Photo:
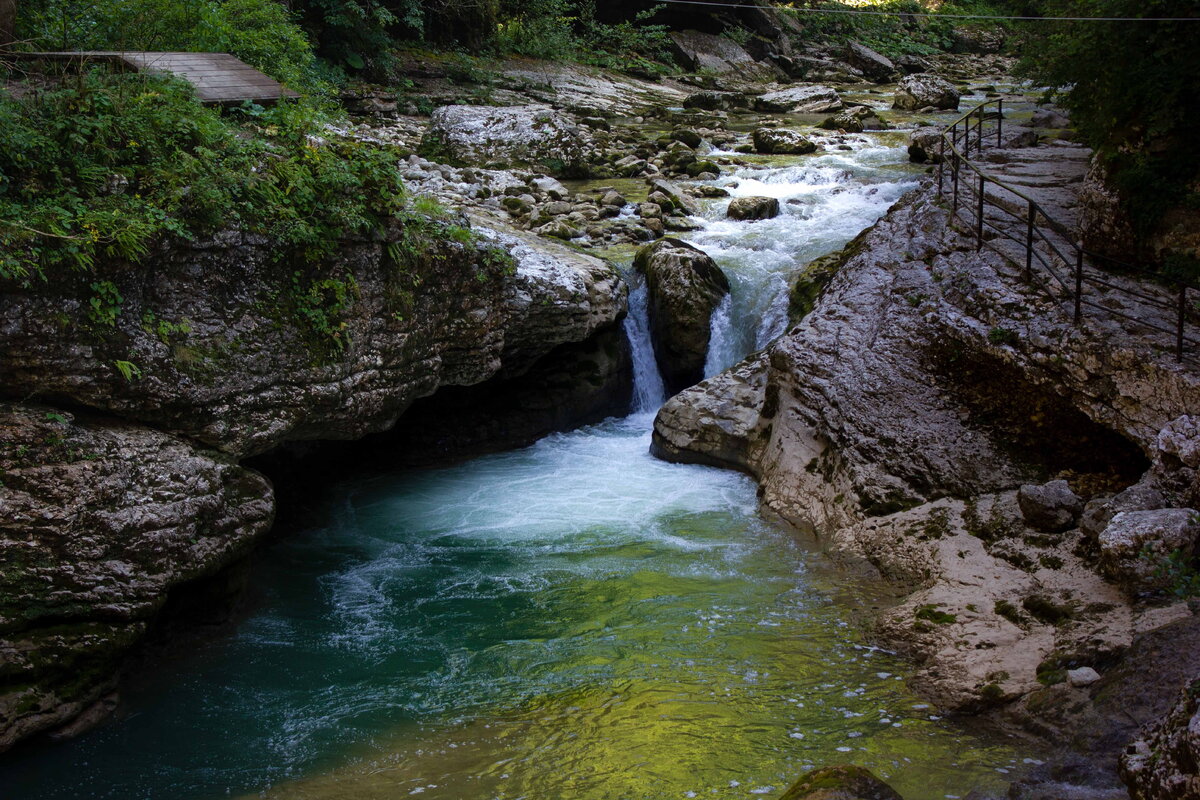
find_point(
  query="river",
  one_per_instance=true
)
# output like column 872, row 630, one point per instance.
column 573, row 619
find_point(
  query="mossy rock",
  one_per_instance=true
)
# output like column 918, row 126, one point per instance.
column 842, row 782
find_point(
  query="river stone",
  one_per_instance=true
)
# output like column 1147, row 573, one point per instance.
column 717, row 101
column 753, row 208
column 685, row 287
column 799, row 100
column 1142, row 496
column 781, row 141
column 696, row 52
column 516, row 136
column 925, row 146
column 1047, row 118
column 855, row 120
column 1052, row 507
column 1136, row 543
column 99, row 520
column 924, row 91
column 875, row 67
column 842, row 782
column 1083, row 676
column 687, row 136
column 559, row 229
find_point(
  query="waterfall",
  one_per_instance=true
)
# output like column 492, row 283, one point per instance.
column 722, row 339
column 648, row 390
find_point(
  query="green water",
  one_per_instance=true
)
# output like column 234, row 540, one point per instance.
column 576, row 619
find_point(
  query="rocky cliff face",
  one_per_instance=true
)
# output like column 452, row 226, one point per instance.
column 218, row 350
column 902, row 414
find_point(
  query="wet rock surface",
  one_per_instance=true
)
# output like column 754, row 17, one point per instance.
column 919, row 91
column 484, row 136
column 840, row 783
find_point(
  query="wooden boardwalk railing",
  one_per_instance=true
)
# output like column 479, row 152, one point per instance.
column 996, row 210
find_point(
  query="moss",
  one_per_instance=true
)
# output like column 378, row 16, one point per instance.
column 1009, row 612
column 991, row 694
column 1045, row 610
column 1050, row 562
column 931, row 613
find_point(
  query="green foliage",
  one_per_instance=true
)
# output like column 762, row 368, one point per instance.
column 1131, row 90
column 899, row 35
column 260, row 32
column 102, row 165
column 1176, row 571
column 568, row 29
column 931, row 613
column 105, row 305
column 129, row 371
column 321, row 303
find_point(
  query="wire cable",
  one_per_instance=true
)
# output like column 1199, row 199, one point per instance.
column 864, row 12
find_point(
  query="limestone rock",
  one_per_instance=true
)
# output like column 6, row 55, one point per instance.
column 516, row 136
column 1162, row 763
column 799, row 100
column 1142, row 496
column 855, row 120
column 698, row 51
column 977, row 40
column 717, row 101
column 843, row 782
column 877, row 68
column 1136, row 543
column 1052, row 507
column 1048, row 118
column 685, row 287
column 781, row 141
column 753, row 208
column 925, row 146
column 676, row 194
column 99, row 520
column 1104, row 224
column 1178, row 443
column 924, row 90
column 1083, row 676
column 246, row 370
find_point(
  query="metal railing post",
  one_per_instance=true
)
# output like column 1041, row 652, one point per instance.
column 1182, row 318
column 979, row 220
column 1029, row 241
column 954, row 179
column 941, row 164
column 979, row 131
column 999, row 121
column 1078, row 284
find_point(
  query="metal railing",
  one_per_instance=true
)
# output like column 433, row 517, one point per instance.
column 1048, row 243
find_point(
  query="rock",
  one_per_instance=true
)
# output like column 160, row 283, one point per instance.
column 99, row 521
column 911, row 64
column 1021, row 139
column 1083, row 676
column 1136, row 544
column 559, row 229
column 685, row 287
column 855, row 120
column 613, row 198
column 843, row 782
column 982, row 41
column 629, row 166
column 1161, row 763
column 1142, row 496
column 676, row 194
column 649, row 210
column 925, row 146
column 781, row 141
column 877, row 68
column 799, row 100
column 753, row 208
column 688, row 136
column 696, row 52
column 1048, row 118
column 1104, row 223
column 698, row 168
column 1178, row 443
column 1052, row 507
column 916, row 92
column 516, row 136
column 717, row 101
column 550, row 187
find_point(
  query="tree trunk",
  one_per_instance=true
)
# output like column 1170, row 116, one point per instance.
column 8, row 21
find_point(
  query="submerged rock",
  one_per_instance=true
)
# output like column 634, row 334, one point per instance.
column 517, row 136
column 753, row 208
column 925, row 91
column 781, row 141
column 685, row 287
column 843, row 782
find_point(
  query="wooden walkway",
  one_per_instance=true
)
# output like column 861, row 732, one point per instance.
column 219, row 78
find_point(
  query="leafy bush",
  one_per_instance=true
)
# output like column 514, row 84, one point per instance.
column 102, row 165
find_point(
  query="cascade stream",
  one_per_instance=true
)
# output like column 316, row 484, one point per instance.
column 573, row 619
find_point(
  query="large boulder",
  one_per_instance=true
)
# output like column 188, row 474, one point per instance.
column 781, row 141
column 925, row 146
column 516, row 136
column 1137, row 547
column 1051, row 507
column 1162, row 764
column 753, row 208
column 925, row 91
column 674, row 194
column 696, row 51
column 717, row 101
column 978, row 40
column 877, row 68
column 855, row 120
column 99, row 520
column 799, row 100
column 842, row 782
column 685, row 286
